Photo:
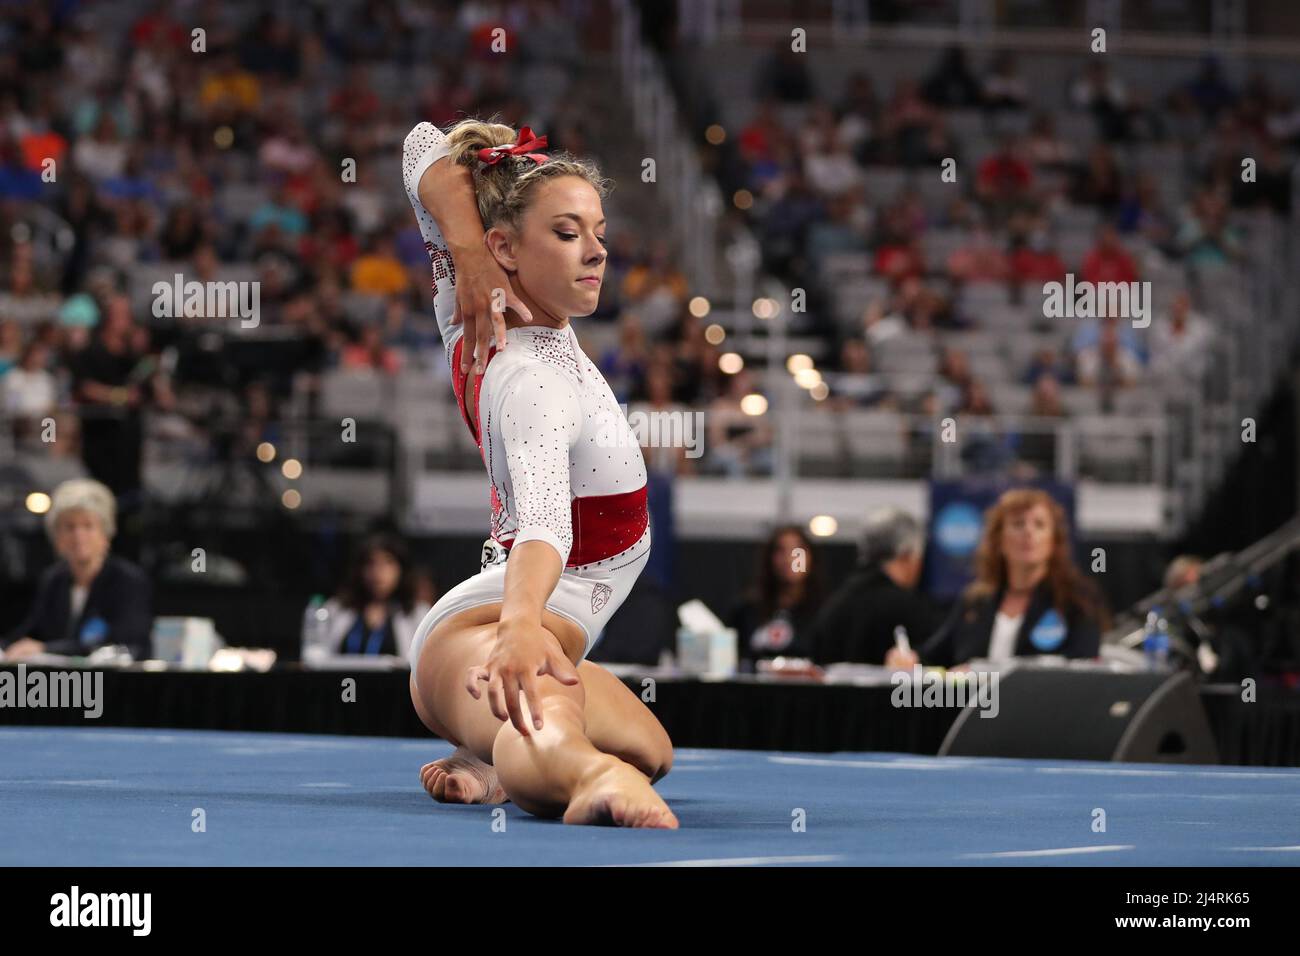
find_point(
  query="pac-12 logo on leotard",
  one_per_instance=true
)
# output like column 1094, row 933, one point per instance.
column 493, row 553
column 599, row 597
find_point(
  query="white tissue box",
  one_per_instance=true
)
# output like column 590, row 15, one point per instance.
column 711, row 652
column 188, row 641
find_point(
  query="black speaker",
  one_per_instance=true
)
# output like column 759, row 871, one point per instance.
column 1071, row 714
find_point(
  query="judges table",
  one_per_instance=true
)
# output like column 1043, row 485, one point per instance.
column 742, row 712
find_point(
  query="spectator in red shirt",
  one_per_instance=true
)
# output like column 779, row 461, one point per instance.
column 370, row 352
column 1109, row 261
column 331, row 241
column 900, row 259
column 1004, row 176
column 980, row 260
column 354, row 101
column 157, row 26
column 1034, row 259
column 759, row 135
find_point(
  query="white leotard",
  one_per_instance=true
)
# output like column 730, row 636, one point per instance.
column 563, row 463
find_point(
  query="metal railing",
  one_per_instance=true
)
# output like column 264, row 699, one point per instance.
column 694, row 206
column 220, row 463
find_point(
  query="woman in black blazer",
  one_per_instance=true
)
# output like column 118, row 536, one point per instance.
column 775, row 617
column 90, row 598
column 1028, row 598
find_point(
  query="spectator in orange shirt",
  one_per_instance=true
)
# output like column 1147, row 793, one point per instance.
column 40, row 145
column 659, row 270
column 379, row 271
column 657, row 288
column 229, row 89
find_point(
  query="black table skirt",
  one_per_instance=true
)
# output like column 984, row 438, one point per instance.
column 738, row 714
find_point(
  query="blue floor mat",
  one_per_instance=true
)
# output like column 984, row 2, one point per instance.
column 73, row 797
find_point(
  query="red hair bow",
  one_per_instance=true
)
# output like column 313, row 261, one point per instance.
column 524, row 142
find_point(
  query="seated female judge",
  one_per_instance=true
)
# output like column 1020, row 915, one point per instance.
column 375, row 612
column 1028, row 598
column 89, row 598
column 774, row 618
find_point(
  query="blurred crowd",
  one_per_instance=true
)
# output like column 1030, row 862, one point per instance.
column 812, row 158
column 271, row 155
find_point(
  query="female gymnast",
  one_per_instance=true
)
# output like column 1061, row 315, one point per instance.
column 516, row 241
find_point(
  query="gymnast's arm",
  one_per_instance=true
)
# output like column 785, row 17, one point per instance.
column 539, row 420
column 446, row 191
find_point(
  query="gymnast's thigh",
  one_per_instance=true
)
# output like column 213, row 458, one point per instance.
column 465, row 640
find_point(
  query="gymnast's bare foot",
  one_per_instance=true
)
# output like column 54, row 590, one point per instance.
column 462, row 778
column 619, row 795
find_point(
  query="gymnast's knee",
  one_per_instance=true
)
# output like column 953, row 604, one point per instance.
column 653, row 756
column 659, row 758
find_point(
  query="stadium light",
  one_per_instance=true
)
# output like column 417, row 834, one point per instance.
column 823, row 526
column 731, row 362
column 807, row 377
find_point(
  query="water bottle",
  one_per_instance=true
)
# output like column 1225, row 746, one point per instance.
column 315, row 632
column 1155, row 641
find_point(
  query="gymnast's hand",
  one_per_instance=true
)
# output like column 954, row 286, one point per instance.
column 523, row 652
column 478, row 275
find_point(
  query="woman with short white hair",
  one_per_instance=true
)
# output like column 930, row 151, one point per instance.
column 89, row 598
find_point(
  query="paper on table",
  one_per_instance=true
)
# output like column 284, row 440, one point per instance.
column 355, row 662
column 48, row 660
column 696, row 617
